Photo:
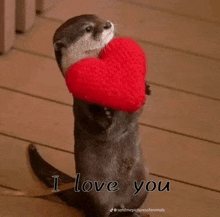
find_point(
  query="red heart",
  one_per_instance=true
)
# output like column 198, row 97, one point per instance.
column 116, row 79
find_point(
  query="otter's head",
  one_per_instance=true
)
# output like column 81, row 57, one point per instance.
column 80, row 37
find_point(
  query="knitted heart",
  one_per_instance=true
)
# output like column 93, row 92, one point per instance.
column 115, row 79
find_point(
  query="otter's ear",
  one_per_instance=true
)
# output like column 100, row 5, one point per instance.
column 147, row 88
column 58, row 45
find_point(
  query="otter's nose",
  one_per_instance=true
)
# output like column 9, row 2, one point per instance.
column 107, row 25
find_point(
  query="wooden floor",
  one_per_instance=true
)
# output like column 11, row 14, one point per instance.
column 180, row 125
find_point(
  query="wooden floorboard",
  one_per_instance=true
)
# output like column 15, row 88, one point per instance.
column 185, row 112
column 21, row 177
column 52, row 124
column 206, row 11
column 36, row 120
column 167, row 67
column 149, row 25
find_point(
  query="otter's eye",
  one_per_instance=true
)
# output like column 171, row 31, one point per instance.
column 89, row 29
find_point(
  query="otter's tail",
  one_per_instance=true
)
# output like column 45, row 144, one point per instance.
column 45, row 172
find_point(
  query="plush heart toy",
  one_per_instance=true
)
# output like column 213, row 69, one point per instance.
column 115, row 79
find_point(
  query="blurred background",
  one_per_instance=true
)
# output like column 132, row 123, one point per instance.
column 180, row 123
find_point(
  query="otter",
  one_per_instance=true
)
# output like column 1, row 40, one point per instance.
column 107, row 145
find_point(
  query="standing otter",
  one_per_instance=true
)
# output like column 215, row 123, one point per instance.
column 107, row 146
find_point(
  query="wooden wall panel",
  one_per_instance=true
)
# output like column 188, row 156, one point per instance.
column 25, row 14
column 7, row 24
